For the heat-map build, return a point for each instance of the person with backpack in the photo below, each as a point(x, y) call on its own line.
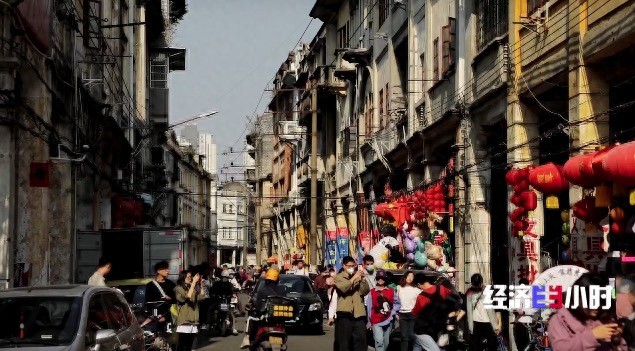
point(432, 310)
point(382, 307)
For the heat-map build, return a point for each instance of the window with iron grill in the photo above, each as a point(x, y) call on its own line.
point(448, 38)
point(491, 20)
point(435, 59)
point(159, 71)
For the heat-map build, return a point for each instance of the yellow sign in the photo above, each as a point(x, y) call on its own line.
point(283, 311)
point(275, 340)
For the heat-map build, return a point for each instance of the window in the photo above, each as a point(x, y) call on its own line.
point(225, 208)
point(384, 10)
point(116, 312)
point(435, 59)
point(240, 209)
point(343, 36)
point(381, 109)
point(448, 38)
point(92, 24)
point(423, 73)
point(97, 317)
point(533, 6)
point(491, 20)
point(159, 71)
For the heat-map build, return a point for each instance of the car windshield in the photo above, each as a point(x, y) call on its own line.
point(38, 320)
point(292, 284)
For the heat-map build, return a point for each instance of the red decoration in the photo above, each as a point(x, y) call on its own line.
point(619, 164)
point(382, 211)
point(521, 225)
point(548, 179)
point(585, 210)
point(512, 177)
point(517, 214)
point(579, 171)
point(126, 212)
point(523, 185)
point(516, 200)
point(39, 175)
point(597, 163)
point(529, 200)
point(617, 227)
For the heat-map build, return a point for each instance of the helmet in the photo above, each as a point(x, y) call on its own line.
point(272, 274)
point(225, 274)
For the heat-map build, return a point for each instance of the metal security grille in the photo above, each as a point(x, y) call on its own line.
point(491, 20)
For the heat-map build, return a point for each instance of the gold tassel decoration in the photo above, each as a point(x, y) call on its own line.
point(552, 202)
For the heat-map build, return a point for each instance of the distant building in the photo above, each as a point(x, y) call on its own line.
point(207, 148)
point(191, 134)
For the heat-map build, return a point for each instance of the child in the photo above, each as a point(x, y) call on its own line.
point(382, 306)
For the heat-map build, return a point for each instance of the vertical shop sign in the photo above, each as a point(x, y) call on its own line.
point(342, 242)
point(525, 254)
point(331, 248)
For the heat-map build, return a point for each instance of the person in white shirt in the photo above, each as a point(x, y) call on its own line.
point(523, 317)
point(300, 268)
point(98, 278)
point(483, 323)
point(407, 292)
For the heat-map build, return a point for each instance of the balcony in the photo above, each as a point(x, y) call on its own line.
point(344, 70)
point(326, 78)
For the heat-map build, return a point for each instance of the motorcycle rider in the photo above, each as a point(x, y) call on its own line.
point(222, 288)
point(271, 288)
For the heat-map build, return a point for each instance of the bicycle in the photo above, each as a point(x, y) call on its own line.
point(538, 340)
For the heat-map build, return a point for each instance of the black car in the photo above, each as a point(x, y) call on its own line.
point(300, 288)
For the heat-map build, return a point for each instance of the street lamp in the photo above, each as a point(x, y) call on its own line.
point(204, 115)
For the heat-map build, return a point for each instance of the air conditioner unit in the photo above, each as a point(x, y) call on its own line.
point(290, 130)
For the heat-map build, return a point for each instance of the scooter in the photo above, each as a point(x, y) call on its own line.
point(223, 316)
point(271, 334)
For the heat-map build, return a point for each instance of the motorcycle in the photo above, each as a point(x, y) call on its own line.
point(155, 340)
point(271, 334)
point(222, 316)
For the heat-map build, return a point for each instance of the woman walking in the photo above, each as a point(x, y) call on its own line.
point(484, 324)
point(188, 296)
point(407, 293)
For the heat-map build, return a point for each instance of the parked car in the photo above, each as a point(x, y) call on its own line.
point(311, 312)
point(72, 317)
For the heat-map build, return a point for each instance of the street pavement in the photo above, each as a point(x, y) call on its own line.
point(296, 341)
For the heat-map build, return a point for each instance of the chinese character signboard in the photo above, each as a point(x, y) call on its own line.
point(331, 248)
point(525, 254)
point(342, 243)
point(589, 244)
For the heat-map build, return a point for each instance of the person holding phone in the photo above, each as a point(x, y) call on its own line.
point(583, 329)
point(350, 323)
point(188, 293)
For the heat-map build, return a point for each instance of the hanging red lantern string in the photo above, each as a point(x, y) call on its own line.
point(579, 171)
point(529, 200)
point(619, 164)
point(549, 180)
point(586, 210)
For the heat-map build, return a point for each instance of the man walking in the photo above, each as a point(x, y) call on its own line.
point(161, 289)
point(350, 324)
point(98, 278)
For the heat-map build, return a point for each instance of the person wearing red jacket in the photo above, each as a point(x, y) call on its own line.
point(431, 310)
point(382, 307)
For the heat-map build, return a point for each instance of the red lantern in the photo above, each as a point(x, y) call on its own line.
point(523, 185)
point(521, 225)
point(516, 199)
point(517, 214)
point(549, 179)
point(619, 164)
point(451, 191)
point(451, 209)
point(597, 163)
point(579, 171)
point(585, 210)
point(617, 227)
point(512, 177)
point(529, 200)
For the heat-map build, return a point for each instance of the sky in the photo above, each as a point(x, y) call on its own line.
point(234, 47)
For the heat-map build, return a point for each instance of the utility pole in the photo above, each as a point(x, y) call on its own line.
point(246, 228)
point(314, 181)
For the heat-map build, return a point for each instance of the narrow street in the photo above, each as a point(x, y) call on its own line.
point(296, 341)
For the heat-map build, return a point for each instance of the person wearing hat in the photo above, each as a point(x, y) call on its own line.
point(270, 288)
point(382, 307)
point(300, 269)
